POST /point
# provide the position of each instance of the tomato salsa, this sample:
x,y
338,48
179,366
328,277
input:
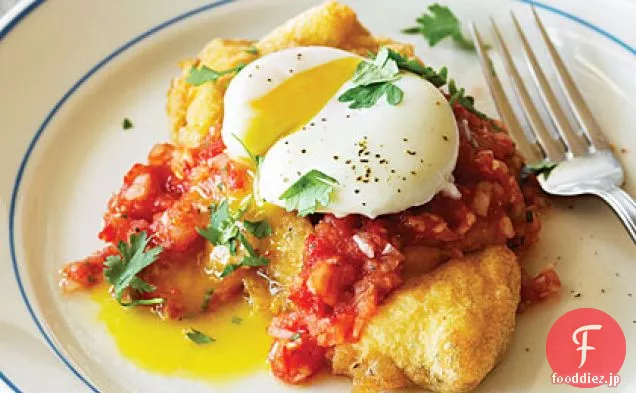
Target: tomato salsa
x,y
349,264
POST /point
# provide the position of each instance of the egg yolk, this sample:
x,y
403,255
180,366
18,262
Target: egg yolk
x,y
240,347
295,102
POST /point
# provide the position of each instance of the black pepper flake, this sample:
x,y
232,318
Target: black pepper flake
x,y
629,295
413,173
578,294
527,349
377,156
353,167
249,75
421,161
405,139
445,137
602,290
404,178
298,173
364,160
356,191
365,180
269,80
299,56
392,170
410,152
335,157
359,178
375,179
348,116
303,151
258,67
399,190
348,162
383,161
364,203
312,124
323,119
287,142
291,71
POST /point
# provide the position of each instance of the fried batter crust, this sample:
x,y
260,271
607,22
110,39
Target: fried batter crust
x,y
195,111
444,331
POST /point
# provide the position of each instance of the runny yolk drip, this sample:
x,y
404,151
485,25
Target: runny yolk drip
x,y
241,344
295,102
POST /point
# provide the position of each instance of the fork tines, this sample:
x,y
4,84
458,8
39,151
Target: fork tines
x,y
565,141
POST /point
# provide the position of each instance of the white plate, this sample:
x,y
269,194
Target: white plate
x,y
71,70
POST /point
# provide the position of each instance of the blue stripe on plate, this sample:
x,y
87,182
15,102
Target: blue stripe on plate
x,y
4,30
47,119
583,22
8,382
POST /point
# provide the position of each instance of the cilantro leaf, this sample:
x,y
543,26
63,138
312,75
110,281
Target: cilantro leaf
x,y
248,261
126,124
439,24
309,192
198,337
252,50
222,228
372,80
544,168
121,270
366,96
204,74
143,302
260,229
295,336
438,79
394,94
206,299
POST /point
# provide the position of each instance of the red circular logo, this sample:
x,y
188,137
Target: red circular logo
x,y
585,349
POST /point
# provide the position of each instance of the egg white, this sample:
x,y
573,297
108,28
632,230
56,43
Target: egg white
x,y
385,158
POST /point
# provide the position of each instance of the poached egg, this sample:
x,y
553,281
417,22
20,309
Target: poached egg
x,y
386,158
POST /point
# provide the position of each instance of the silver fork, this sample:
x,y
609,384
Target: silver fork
x,y
586,165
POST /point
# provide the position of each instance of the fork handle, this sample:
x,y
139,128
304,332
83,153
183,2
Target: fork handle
x,y
624,206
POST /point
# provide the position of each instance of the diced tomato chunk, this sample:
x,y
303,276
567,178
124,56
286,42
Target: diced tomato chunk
x,y
87,272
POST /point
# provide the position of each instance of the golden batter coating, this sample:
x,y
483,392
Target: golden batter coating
x,y
195,111
444,331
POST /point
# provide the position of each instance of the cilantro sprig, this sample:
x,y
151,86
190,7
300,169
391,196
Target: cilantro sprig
x,y
372,80
438,24
544,168
310,191
198,337
126,124
226,229
121,270
252,50
204,74
439,79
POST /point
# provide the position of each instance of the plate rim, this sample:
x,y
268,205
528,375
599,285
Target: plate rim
x,y
23,9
